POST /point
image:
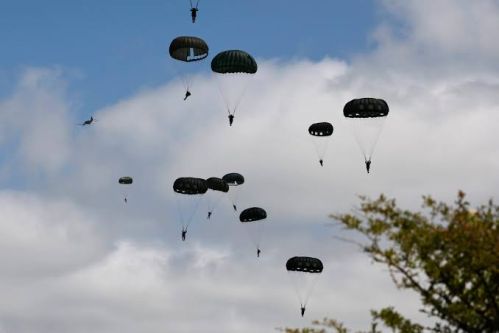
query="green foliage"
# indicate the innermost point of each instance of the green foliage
(448, 254)
(325, 323)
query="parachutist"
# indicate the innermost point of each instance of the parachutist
(187, 94)
(209, 215)
(321, 162)
(302, 311)
(126, 200)
(194, 13)
(235, 208)
(231, 119)
(258, 251)
(368, 115)
(184, 233)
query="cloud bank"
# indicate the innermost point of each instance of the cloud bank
(75, 258)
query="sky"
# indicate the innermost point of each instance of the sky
(74, 257)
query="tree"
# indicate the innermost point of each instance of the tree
(448, 254)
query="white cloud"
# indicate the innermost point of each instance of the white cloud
(36, 119)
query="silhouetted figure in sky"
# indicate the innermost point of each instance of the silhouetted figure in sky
(302, 311)
(184, 233)
(88, 122)
(235, 208)
(231, 119)
(321, 162)
(194, 13)
(209, 215)
(187, 94)
(368, 165)
(126, 200)
(258, 253)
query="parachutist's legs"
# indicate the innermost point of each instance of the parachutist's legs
(321, 162)
(302, 311)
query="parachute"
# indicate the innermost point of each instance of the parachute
(303, 272)
(125, 181)
(190, 185)
(253, 214)
(218, 187)
(367, 117)
(188, 50)
(252, 219)
(234, 67)
(189, 191)
(321, 133)
(234, 180)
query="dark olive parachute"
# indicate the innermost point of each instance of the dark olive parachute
(233, 179)
(321, 129)
(366, 116)
(252, 214)
(304, 264)
(366, 108)
(125, 180)
(234, 61)
(190, 185)
(304, 272)
(217, 184)
(188, 48)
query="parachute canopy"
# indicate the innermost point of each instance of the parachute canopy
(366, 108)
(188, 48)
(190, 185)
(125, 180)
(233, 179)
(233, 61)
(252, 214)
(217, 184)
(304, 264)
(321, 129)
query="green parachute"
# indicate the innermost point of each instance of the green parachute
(234, 180)
(253, 221)
(125, 181)
(233, 69)
(367, 117)
(321, 133)
(303, 272)
(189, 191)
(217, 190)
(187, 51)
